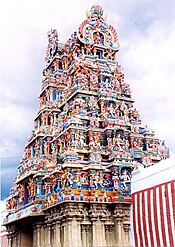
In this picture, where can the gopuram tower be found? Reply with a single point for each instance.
(73, 183)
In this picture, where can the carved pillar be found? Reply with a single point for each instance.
(122, 224)
(88, 242)
(99, 234)
(18, 239)
(98, 228)
(53, 236)
(44, 240)
(94, 234)
(76, 224)
(83, 235)
(119, 231)
(102, 230)
(15, 240)
(72, 217)
(9, 240)
(69, 232)
(109, 235)
(85, 229)
(63, 233)
(48, 235)
(58, 234)
(66, 234)
(38, 235)
(73, 232)
(126, 227)
(11, 236)
(126, 224)
(34, 236)
(118, 215)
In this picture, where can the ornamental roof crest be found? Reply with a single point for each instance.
(95, 31)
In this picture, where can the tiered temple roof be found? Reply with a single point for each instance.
(87, 135)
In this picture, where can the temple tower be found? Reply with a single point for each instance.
(73, 182)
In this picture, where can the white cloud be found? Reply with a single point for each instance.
(149, 63)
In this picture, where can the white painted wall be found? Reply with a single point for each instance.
(160, 173)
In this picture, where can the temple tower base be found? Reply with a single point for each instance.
(75, 224)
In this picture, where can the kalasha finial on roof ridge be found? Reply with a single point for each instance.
(96, 12)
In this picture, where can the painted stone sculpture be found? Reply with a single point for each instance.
(87, 136)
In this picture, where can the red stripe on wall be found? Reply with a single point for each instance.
(167, 198)
(144, 219)
(134, 219)
(150, 219)
(173, 198)
(142, 235)
(155, 217)
(139, 221)
(162, 217)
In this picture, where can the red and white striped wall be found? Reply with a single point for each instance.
(153, 207)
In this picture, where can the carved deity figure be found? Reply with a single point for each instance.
(97, 38)
(96, 197)
(37, 148)
(54, 182)
(115, 179)
(31, 187)
(93, 104)
(93, 81)
(125, 179)
(89, 49)
(146, 161)
(11, 204)
(110, 54)
(102, 107)
(153, 146)
(105, 197)
(82, 140)
(118, 142)
(111, 111)
(94, 121)
(52, 44)
(21, 192)
(47, 188)
(70, 179)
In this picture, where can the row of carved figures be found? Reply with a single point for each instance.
(70, 179)
(79, 141)
(83, 80)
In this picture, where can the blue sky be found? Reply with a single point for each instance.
(147, 55)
